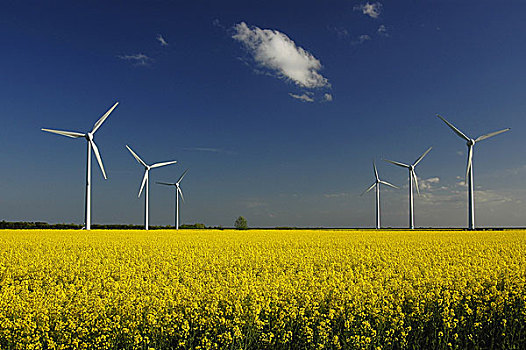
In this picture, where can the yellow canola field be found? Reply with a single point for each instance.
(262, 289)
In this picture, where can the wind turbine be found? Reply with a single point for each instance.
(145, 181)
(412, 177)
(177, 193)
(376, 184)
(91, 145)
(469, 170)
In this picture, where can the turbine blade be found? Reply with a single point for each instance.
(144, 179)
(422, 156)
(136, 157)
(165, 183)
(375, 172)
(458, 132)
(413, 174)
(99, 159)
(103, 118)
(181, 178)
(397, 163)
(71, 134)
(180, 192)
(491, 134)
(157, 165)
(470, 160)
(367, 190)
(387, 183)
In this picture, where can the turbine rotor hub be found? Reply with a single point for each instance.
(471, 142)
(89, 136)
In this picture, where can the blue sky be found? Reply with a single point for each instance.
(277, 108)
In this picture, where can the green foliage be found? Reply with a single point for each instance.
(241, 223)
(193, 226)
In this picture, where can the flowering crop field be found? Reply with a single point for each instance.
(262, 289)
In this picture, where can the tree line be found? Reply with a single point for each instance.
(39, 225)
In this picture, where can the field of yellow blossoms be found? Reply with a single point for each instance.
(258, 289)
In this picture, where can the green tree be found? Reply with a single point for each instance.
(241, 223)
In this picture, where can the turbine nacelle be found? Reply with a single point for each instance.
(470, 142)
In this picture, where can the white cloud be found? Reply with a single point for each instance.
(139, 59)
(303, 97)
(336, 195)
(372, 10)
(490, 196)
(327, 97)
(161, 40)
(276, 51)
(382, 31)
(363, 38)
(207, 149)
(428, 184)
(341, 32)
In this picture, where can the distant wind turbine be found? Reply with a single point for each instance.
(469, 169)
(91, 145)
(412, 177)
(376, 184)
(178, 192)
(145, 181)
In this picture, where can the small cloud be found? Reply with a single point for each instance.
(460, 153)
(204, 149)
(382, 31)
(489, 196)
(336, 195)
(303, 98)
(327, 97)
(342, 33)
(217, 23)
(161, 40)
(361, 39)
(372, 10)
(255, 204)
(208, 149)
(139, 59)
(428, 184)
(276, 52)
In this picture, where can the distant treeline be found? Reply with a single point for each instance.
(19, 225)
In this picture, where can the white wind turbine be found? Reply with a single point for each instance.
(178, 192)
(376, 184)
(146, 182)
(91, 145)
(412, 177)
(469, 170)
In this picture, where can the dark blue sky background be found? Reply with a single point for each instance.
(251, 147)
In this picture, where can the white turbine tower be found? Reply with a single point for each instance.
(469, 170)
(412, 177)
(178, 192)
(91, 145)
(145, 181)
(376, 184)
